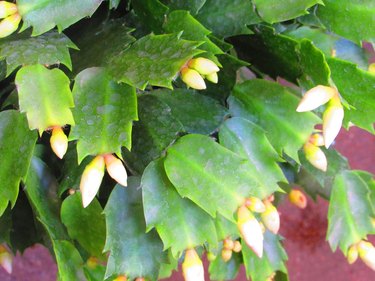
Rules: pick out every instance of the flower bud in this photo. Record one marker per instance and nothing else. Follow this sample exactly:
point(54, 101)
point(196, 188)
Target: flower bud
point(192, 78)
point(316, 139)
point(315, 156)
point(91, 179)
point(226, 254)
point(9, 25)
point(371, 68)
point(316, 97)
point(7, 9)
point(116, 169)
point(211, 256)
point(255, 205)
point(203, 66)
point(228, 244)
point(140, 279)
point(92, 262)
point(212, 77)
point(332, 120)
point(366, 252)
point(237, 247)
point(352, 254)
point(59, 142)
point(192, 266)
point(250, 230)
point(6, 259)
point(297, 198)
point(271, 277)
point(121, 278)
point(271, 218)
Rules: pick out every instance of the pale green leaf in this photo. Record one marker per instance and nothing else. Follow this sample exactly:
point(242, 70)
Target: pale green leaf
point(220, 270)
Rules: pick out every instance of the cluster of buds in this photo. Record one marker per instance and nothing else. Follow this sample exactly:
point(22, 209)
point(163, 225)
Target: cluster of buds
point(192, 267)
point(297, 198)
point(314, 154)
point(333, 114)
point(194, 72)
point(363, 249)
point(58, 141)
point(11, 18)
point(93, 174)
point(250, 228)
point(6, 258)
point(230, 246)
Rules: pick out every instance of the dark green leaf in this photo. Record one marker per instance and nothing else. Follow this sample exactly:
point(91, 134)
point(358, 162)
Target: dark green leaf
point(220, 270)
point(151, 13)
point(114, 4)
point(193, 5)
point(104, 113)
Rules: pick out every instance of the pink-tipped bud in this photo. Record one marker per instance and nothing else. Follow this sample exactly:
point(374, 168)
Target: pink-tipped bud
point(316, 139)
point(91, 179)
point(7, 9)
point(59, 142)
point(332, 120)
point(116, 169)
point(255, 205)
point(226, 254)
point(297, 198)
point(9, 25)
point(121, 278)
point(250, 230)
point(271, 218)
point(316, 97)
point(192, 267)
point(228, 244)
point(6, 259)
point(192, 78)
point(203, 66)
point(315, 156)
point(212, 77)
point(237, 247)
point(352, 254)
point(366, 252)
point(140, 279)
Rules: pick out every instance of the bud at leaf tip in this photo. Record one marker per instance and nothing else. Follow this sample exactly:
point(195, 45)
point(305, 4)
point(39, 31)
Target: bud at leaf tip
point(116, 169)
point(250, 230)
point(316, 139)
point(59, 142)
point(315, 156)
point(366, 252)
point(192, 78)
point(203, 66)
point(255, 205)
point(6, 259)
point(297, 198)
point(9, 25)
point(91, 179)
point(237, 247)
point(352, 255)
point(7, 9)
point(332, 121)
point(212, 77)
point(226, 254)
point(192, 266)
point(316, 97)
point(271, 218)
point(121, 278)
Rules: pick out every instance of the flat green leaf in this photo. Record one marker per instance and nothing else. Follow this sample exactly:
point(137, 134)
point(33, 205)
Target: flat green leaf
point(357, 88)
point(132, 251)
point(168, 267)
point(350, 211)
point(227, 18)
point(353, 19)
point(45, 15)
point(50, 48)
point(45, 96)
point(193, 5)
point(274, 257)
point(273, 108)
point(180, 223)
point(249, 141)
point(17, 143)
point(153, 60)
point(220, 270)
point(86, 225)
point(151, 13)
point(225, 228)
point(276, 11)
point(104, 113)
point(212, 176)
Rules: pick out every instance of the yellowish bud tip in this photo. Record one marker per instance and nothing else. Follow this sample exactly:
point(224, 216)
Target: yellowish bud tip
point(255, 205)
point(271, 218)
point(226, 254)
point(366, 252)
point(317, 139)
point(352, 254)
point(59, 142)
point(121, 278)
point(371, 68)
point(203, 66)
point(316, 97)
point(332, 121)
point(7, 9)
point(315, 156)
point(91, 179)
point(116, 169)
point(211, 256)
point(212, 77)
point(237, 247)
point(9, 25)
point(92, 262)
point(228, 244)
point(297, 198)
point(192, 267)
point(271, 277)
point(250, 230)
point(192, 78)
point(6, 259)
